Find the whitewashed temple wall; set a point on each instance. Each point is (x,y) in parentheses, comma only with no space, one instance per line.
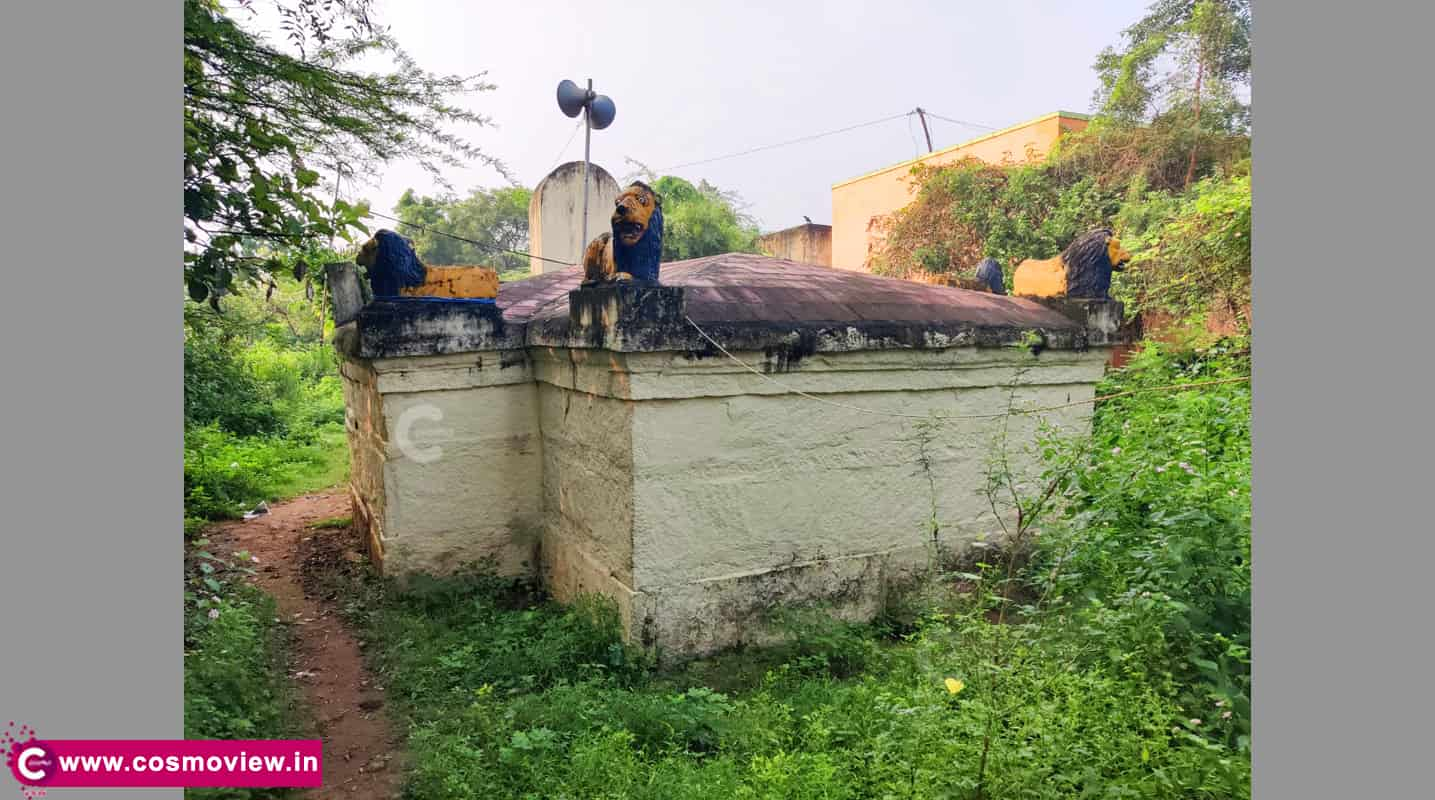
(729,495)
(457,477)
(696,494)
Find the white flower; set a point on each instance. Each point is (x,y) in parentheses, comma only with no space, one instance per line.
(1115,451)
(1225,715)
(216,599)
(234,465)
(1220,703)
(1160,469)
(255,559)
(214,613)
(1195,721)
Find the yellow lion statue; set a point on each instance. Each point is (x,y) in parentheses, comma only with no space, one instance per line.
(1083,270)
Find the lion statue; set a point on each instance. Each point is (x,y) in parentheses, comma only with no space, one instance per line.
(391,263)
(989,275)
(631,252)
(1083,270)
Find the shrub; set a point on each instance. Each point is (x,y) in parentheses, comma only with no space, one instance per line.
(972,210)
(219,389)
(1153,559)
(1156,155)
(264,405)
(1192,252)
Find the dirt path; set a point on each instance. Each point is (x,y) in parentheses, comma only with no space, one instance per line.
(361,747)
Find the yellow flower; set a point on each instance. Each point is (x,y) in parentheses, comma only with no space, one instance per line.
(954,685)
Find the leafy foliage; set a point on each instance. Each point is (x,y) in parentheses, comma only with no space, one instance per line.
(972,210)
(702,220)
(1152,565)
(219,389)
(1193,251)
(263,403)
(1206,45)
(1154,156)
(496,217)
(263,126)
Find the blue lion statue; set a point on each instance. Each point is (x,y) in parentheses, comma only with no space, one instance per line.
(989,272)
(391,263)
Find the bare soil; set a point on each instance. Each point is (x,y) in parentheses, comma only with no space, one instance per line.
(362,748)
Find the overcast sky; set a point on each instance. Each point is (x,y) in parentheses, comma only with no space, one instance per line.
(697,80)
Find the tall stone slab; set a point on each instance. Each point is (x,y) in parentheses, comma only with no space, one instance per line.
(555,214)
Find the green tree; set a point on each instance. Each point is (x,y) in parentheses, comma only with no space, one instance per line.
(496,217)
(262,126)
(1184,54)
(702,220)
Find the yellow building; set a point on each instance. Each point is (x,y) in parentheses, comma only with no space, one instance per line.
(858,204)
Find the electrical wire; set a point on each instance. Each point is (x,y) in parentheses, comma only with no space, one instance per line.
(484,245)
(960,122)
(566,145)
(775,145)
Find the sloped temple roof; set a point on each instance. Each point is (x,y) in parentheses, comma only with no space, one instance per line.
(740,287)
(743,301)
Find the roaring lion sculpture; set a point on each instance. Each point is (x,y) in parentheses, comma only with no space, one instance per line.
(631,252)
(1083,270)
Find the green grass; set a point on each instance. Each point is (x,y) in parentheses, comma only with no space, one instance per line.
(226,474)
(328,468)
(512,699)
(236,657)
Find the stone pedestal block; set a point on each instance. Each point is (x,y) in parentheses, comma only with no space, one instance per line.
(625,316)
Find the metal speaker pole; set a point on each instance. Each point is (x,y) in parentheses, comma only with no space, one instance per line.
(587,156)
(598,112)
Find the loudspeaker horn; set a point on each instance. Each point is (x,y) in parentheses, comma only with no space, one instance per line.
(571,98)
(601,111)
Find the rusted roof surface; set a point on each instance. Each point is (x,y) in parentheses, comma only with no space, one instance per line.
(521,300)
(739,287)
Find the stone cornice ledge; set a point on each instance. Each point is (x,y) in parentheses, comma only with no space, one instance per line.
(634,319)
